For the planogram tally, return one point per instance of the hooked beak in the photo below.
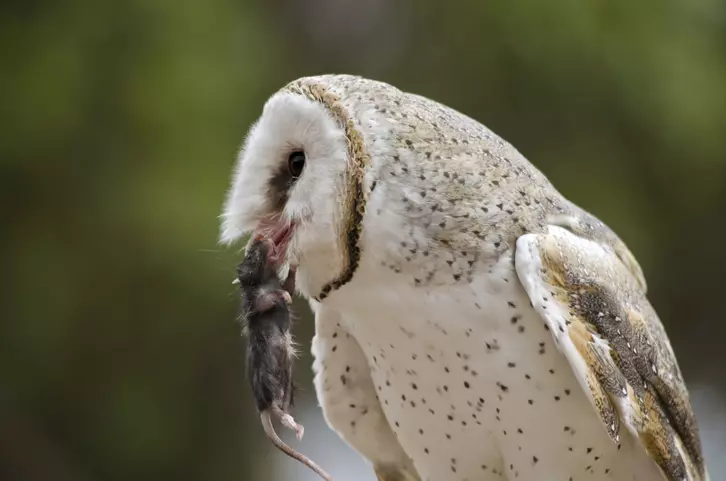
(278, 234)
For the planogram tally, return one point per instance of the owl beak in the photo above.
(278, 237)
(277, 234)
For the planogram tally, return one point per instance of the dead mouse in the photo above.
(270, 348)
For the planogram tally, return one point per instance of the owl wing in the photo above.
(601, 320)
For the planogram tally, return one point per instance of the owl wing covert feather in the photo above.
(601, 321)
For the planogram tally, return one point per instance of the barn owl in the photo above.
(471, 323)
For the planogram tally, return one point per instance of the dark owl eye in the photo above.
(295, 163)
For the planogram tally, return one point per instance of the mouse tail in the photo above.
(279, 444)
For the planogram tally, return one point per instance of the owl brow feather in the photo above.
(355, 196)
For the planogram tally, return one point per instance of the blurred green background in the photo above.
(120, 357)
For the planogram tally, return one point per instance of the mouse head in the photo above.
(258, 267)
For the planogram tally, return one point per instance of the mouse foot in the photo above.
(289, 422)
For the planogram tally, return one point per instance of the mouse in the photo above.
(267, 323)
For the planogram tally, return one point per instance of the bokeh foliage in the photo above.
(119, 355)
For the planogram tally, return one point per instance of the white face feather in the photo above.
(292, 123)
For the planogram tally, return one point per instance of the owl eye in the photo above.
(296, 163)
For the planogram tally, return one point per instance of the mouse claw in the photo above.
(286, 297)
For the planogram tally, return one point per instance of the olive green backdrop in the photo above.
(120, 358)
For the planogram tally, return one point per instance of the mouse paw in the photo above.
(269, 300)
(285, 296)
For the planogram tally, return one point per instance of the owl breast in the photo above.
(471, 382)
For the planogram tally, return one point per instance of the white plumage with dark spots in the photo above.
(471, 322)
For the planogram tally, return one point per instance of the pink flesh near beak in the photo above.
(277, 236)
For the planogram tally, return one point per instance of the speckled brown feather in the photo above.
(631, 371)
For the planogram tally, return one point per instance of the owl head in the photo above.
(298, 180)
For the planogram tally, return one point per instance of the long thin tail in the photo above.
(279, 444)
